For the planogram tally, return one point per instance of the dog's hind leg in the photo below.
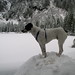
(61, 40)
(60, 44)
(60, 49)
(43, 49)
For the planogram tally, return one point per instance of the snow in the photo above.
(52, 65)
(8, 4)
(17, 48)
(4, 21)
(20, 48)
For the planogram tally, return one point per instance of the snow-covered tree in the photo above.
(69, 6)
(3, 6)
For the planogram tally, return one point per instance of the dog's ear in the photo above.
(28, 26)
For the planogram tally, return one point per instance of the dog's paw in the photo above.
(44, 56)
(58, 54)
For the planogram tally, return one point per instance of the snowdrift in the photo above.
(52, 65)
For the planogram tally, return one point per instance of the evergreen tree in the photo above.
(3, 5)
(25, 8)
(69, 6)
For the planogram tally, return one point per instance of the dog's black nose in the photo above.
(24, 31)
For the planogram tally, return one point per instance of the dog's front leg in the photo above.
(43, 49)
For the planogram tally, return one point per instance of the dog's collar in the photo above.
(37, 35)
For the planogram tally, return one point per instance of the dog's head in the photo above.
(27, 27)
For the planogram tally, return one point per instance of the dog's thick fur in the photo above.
(53, 33)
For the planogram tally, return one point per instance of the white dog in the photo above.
(44, 36)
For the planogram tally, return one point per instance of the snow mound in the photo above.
(52, 65)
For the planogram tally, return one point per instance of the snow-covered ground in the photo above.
(15, 49)
(20, 47)
(52, 65)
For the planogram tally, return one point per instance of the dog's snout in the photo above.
(24, 31)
